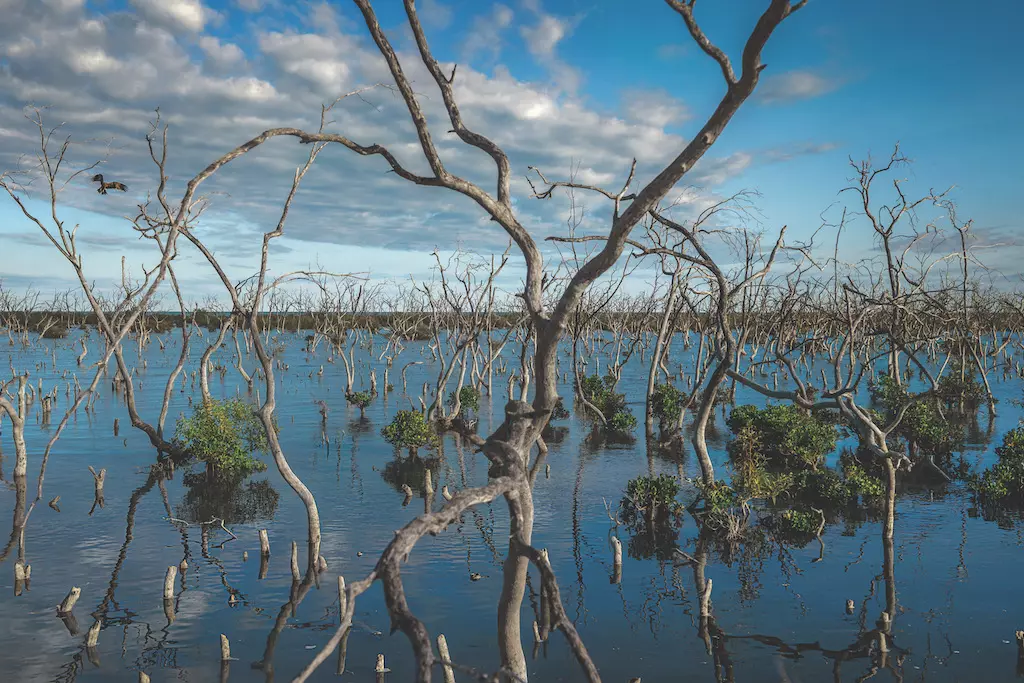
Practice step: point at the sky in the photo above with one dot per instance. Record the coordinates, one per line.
(562, 85)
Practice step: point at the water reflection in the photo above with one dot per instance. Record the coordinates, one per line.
(235, 501)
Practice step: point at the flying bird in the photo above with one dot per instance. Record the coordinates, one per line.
(104, 186)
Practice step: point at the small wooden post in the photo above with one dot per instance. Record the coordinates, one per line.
(616, 560)
(407, 490)
(143, 677)
(705, 600)
(172, 573)
(98, 479)
(1020, 648)
(446, 659)
(850, 606)
(264, 543)
(381, 669)
(445, 493)
(342, 598)
(69, 601)
(92, 637)
(547, 470)
(343, 652)
(117, 426)
(428, 483)
(225, 648)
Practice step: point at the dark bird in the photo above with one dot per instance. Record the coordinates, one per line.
(104, 186)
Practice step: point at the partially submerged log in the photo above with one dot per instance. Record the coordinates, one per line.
(69, 601)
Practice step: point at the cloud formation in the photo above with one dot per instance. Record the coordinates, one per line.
(104, 74)
(793, 86)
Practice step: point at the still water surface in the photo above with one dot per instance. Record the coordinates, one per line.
(781, 614)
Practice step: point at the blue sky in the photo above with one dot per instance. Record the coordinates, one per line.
(556, 82)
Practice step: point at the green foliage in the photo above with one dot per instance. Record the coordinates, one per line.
(1003, 482)
(600, 391)
(797, 522)
(651, 501)
(223, 434)
(922, 425)
(787, 437)
(622, 422)
(360, 399)
(469, 399)
(409, 429)
(824, 487)
(559, 412)
(859, 480)
(956, 392)
(718, 496)
(666, 403)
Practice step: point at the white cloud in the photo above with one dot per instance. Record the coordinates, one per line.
(104, 75)
(221, 55)
(486, 33)
(543, 38)
(185, 15)
(794, 85)
(655, 108)
(434, 14)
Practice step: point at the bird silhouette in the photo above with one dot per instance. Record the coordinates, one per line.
(104, 186)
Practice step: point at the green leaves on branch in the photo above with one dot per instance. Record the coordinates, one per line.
(651, 501)
(409, 429)
(786, 437)
(923, 424)
(600, 392)
(1003, 482)
(469, 399)
(360, 399)
(666, 404)
(224, 435)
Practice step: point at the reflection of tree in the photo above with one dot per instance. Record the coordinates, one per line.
(555, 434)
(660, 542)
(360, 425)
(233, 500)
(874, 644)
(297, 593)
(411, 471)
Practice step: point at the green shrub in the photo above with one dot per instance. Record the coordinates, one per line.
(797, 522)
(821, 488)
(651, 501)
(1004, 481)
(469, 399)
(360, 399)
(409, 429)
(789, 438)
(224, 435)
(956, 392)
(600, 391)
(718, 495)
(923, 425)
(861, 479)
(666, 404)
(622, 422)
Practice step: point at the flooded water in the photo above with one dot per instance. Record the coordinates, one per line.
(780, 614)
